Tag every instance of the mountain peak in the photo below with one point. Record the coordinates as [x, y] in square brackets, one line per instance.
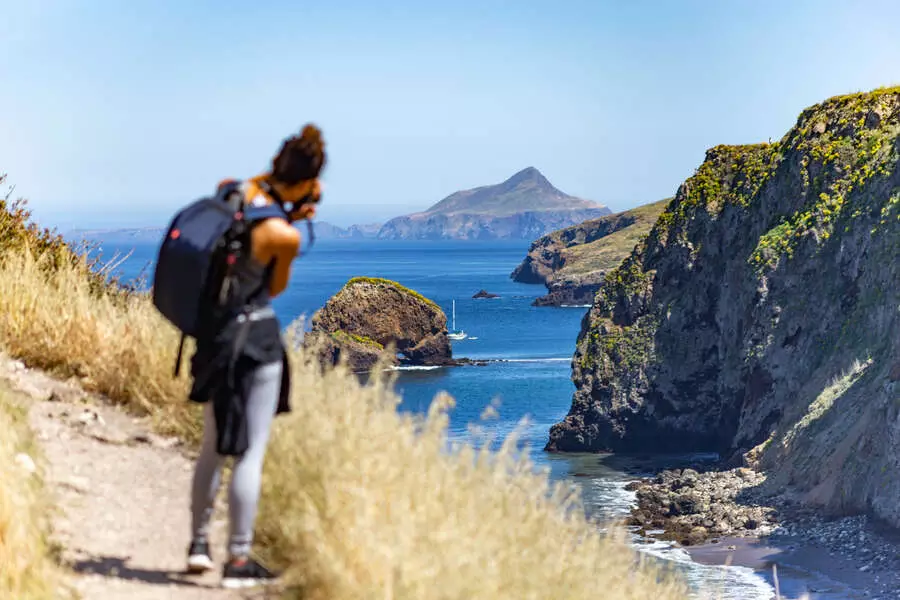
[528, 175]
[527, 190]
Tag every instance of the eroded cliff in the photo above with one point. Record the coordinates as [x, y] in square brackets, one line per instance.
[760, 317]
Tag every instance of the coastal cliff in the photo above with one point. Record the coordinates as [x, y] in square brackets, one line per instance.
[370, 315]
[760, 316]
[572, 262]
[525, 206]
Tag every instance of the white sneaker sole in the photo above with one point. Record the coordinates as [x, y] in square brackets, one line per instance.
[237, 584]
[199, 564]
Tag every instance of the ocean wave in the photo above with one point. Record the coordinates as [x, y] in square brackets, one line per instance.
[534, 360]
[712, 581]
[415, 368]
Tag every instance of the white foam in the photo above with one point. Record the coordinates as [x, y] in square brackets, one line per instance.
[415, 368]
[534, 360]
[712, 581]
[708, 582]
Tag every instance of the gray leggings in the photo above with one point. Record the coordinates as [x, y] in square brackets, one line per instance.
[246, 478]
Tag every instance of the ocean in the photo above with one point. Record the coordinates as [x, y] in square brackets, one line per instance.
[528, 378]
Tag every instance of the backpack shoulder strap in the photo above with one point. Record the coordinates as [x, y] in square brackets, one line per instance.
[231, 192]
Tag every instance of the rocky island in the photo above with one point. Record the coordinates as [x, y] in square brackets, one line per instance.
[572, 262]
[524, 206]
[369, 315]
[760, 319]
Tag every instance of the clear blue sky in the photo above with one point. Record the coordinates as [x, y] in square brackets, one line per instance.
[115, 113]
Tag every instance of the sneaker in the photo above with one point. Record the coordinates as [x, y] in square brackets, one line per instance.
[199, 559]
[245, 572]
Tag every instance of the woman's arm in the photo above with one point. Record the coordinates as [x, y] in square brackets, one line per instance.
[285, 253]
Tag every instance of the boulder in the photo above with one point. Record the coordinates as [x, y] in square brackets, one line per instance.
[485, 294]
[370, 315]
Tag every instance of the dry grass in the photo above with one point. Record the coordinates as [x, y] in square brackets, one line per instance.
[28, 570]
[363, 502]
[116, 345]
[607, 252]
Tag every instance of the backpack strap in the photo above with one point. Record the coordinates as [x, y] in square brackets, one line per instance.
[180, 354]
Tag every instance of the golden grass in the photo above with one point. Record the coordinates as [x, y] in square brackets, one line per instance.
[28, 570]
[608, 252]
[360, 501]
[115, 345]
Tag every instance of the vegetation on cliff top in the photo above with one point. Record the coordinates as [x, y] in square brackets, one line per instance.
[374, 504]
[379, 281]
[342, 336]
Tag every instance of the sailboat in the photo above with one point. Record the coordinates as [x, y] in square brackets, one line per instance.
[454, 334]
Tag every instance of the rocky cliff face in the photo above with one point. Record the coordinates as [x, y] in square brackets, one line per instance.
[760, 317]
[572, 262]
[370, 315]
[524, 206]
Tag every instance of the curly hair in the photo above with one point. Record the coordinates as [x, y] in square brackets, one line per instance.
[301, 158]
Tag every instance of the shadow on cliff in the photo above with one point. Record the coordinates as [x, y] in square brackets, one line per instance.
[811, 448]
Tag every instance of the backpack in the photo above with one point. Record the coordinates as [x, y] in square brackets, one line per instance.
[202, 241]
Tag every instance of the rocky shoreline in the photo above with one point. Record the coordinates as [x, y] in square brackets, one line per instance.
[704, 510]
[691, 507]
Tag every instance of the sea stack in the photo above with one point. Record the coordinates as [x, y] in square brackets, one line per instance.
[370, 315]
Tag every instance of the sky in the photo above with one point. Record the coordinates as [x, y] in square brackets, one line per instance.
[117, 113]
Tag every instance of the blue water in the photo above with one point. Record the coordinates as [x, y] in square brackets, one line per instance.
[536, 345]
[538, 341]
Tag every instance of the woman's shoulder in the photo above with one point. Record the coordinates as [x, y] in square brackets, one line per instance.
[277, 236]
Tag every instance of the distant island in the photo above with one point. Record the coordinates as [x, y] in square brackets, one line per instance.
[525, 206]
[323, 231]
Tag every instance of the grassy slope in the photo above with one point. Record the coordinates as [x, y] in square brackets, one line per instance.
[607, 252]
[359, 501]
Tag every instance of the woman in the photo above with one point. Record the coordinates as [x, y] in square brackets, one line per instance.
[240, 366]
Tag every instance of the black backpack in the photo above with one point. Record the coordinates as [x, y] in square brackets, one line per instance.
[203, 240]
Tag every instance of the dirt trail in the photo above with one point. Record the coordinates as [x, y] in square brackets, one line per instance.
[122, 496]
